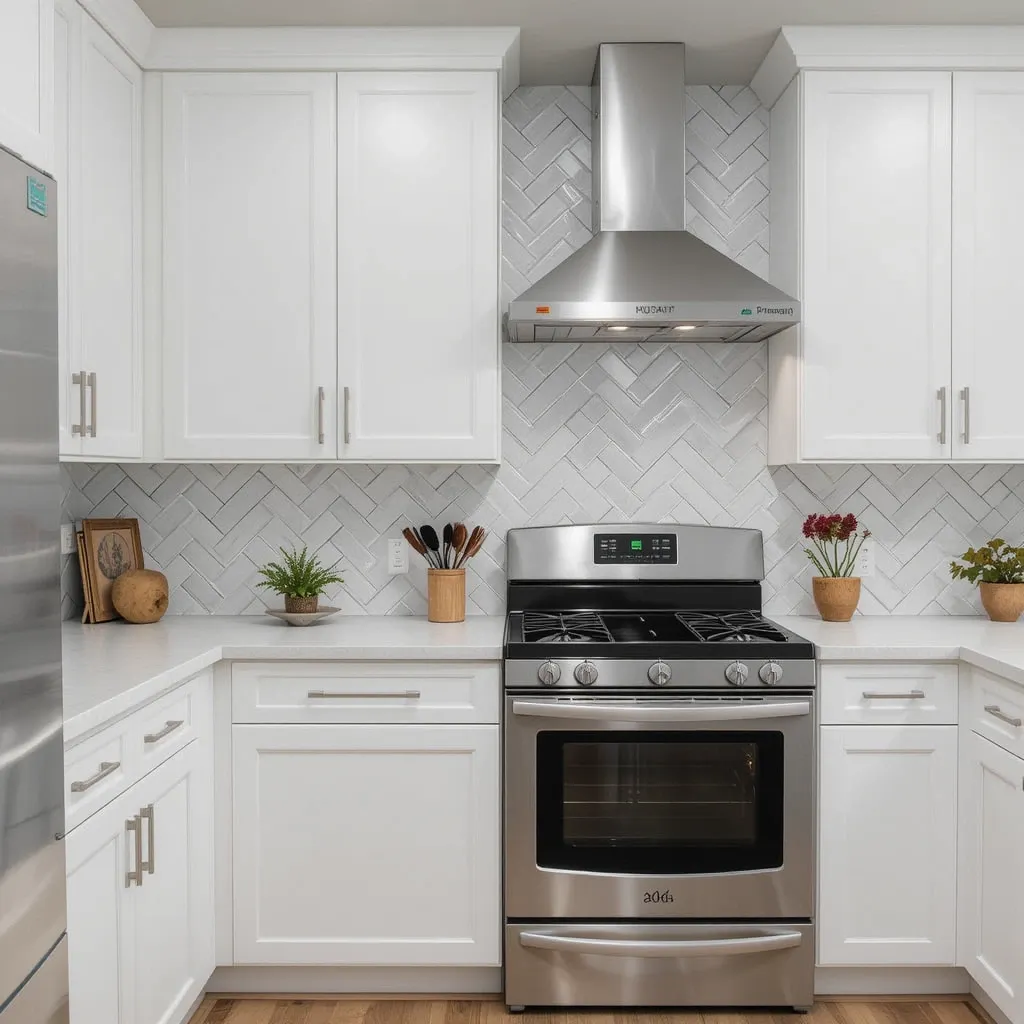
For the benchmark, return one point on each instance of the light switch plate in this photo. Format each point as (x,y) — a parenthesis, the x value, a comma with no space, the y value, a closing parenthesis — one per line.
(398,556)
(68,544)
(866,559)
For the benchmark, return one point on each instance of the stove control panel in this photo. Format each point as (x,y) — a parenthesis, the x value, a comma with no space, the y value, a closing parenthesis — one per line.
(634,549)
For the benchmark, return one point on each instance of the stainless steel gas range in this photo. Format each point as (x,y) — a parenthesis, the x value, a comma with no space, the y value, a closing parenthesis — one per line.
(659,773)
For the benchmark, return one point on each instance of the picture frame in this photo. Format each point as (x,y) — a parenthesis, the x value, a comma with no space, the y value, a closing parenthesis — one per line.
(83,567)
(111,547)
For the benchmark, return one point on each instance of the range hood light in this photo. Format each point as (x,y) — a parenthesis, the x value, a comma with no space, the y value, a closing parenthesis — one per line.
(685,327)
(618,327)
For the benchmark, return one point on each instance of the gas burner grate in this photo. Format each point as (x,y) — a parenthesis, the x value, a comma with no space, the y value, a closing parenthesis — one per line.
(564,628)
(732,627)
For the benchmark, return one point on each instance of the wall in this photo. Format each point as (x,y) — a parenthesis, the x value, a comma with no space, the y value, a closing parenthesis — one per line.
(596,432)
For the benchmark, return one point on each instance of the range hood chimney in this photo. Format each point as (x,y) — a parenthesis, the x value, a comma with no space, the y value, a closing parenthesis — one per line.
(643,276)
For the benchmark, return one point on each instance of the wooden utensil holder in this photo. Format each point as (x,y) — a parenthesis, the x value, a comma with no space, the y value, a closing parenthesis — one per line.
(446,595)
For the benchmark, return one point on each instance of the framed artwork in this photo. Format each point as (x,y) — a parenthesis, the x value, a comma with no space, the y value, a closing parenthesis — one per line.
(112,546)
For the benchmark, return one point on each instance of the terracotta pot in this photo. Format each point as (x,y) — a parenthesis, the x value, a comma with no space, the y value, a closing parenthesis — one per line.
(301,605)
(836,597)
(1003,601)
(446,595)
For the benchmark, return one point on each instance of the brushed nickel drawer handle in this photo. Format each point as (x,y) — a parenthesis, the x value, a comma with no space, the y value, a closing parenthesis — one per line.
(357,695)
(909,695)
(106,768)
(79,428)
(568,943)
(942,414)
(150,816)
(155,737)
(319,415)
(346,436)
(997,712)
(965,394)
(92,396)
(134,825)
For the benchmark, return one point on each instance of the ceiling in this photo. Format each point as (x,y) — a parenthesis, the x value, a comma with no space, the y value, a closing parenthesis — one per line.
(726,39)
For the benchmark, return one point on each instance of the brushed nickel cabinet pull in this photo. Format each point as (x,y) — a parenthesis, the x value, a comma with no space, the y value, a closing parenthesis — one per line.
(965,394)
(150,816)
(345,410)
(997,712)
(106,768)
(356,695)
(942,414)
(92,396)
(320,415)
(909,695)
(155,737)
(134,825)
(79,428)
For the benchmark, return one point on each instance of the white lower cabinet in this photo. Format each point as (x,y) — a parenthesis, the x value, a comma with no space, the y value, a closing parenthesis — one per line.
(140,898)
(991,911)
(366,844)
(887,851)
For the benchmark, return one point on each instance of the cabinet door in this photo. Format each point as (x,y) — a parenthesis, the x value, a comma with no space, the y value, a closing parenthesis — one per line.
(991,899)
(26,80)
(876,259)
(418,341)
(887,811)
(174,919)
(365,844)
(101,951)
(988,222)
(106,249)
(67,29)
(249,302)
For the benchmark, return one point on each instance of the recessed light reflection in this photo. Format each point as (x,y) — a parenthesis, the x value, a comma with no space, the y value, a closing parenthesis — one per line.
(685,327)
(618,327)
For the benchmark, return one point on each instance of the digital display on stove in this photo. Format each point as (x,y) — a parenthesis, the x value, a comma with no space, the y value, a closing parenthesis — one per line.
(635,548)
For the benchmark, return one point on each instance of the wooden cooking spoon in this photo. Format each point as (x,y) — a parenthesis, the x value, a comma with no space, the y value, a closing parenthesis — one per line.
(459,536)
(476,538)
(414,542)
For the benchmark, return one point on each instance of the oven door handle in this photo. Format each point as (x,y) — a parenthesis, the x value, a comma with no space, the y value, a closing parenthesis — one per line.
(562,943)
(652,713)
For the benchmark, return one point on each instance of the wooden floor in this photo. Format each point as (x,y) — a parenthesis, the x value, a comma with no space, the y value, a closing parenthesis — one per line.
(215,1010)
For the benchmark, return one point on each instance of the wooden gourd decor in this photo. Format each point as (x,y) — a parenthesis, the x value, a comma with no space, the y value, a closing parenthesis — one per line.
(140,595)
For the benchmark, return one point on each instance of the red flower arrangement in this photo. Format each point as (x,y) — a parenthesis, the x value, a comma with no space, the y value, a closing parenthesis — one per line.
(826,533)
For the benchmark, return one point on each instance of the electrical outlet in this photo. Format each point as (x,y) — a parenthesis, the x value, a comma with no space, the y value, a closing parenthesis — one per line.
(68,543)
(866,559)
(398,556)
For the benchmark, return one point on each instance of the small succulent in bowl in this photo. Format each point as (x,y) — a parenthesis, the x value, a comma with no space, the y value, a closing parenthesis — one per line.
(300,578)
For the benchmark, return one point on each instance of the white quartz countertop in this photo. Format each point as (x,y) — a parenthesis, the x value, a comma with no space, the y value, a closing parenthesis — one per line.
(112,668)
(995,646)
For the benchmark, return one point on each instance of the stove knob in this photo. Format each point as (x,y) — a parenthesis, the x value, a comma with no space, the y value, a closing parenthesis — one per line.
(549,673)
(659,673)
(770,673)
(736,673)
(586,673)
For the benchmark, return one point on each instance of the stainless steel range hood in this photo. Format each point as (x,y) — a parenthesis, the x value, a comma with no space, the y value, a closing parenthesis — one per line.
(643,276)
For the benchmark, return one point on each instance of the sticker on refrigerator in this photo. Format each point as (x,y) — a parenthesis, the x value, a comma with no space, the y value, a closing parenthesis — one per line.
(37,196)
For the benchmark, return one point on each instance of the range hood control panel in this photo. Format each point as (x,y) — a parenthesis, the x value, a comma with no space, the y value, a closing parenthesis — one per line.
(634,549)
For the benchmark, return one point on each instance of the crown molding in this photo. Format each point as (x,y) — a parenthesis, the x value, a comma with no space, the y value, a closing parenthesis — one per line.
(910,47)
(125,21)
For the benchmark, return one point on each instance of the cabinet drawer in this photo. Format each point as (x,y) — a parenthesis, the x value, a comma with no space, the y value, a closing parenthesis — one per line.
(365,692)
(95,772)
(888,694)
(995,710)
(168,724)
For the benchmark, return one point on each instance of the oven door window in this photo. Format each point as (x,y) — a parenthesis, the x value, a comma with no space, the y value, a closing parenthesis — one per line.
(659,802)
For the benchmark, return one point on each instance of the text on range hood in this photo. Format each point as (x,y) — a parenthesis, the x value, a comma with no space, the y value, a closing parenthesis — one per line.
(643,276)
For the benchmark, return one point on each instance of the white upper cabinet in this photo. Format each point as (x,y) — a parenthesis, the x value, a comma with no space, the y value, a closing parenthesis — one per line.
(98,120)
(249,285)
(418,322)
(988,224)
(872,267)
(26,80)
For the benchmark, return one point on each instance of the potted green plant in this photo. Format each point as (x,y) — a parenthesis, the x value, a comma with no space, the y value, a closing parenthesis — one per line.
(301,579)
(998,569)
(835,545)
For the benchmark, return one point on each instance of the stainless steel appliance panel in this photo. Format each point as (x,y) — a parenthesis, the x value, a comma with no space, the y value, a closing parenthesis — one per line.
(32,903)
(44,997)
(659,965)
(534,892)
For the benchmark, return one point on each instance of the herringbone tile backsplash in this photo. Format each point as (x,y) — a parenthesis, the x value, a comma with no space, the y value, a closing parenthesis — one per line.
(595,432)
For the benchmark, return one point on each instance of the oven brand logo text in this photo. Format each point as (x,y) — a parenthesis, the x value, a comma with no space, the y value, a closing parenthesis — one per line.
(656,896)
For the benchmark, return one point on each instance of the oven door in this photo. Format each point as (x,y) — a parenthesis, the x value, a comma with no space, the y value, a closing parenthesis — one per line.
(696,807)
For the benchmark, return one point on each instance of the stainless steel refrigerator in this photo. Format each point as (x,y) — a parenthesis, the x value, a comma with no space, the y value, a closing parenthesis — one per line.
(33,942)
